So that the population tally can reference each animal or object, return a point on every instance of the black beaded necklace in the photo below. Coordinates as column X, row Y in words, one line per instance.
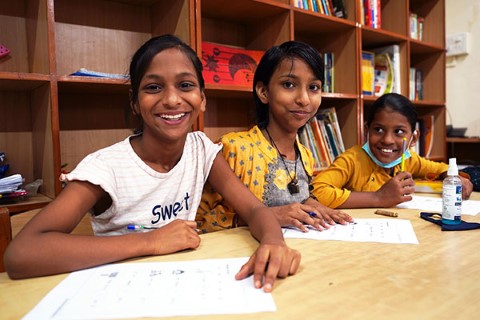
column 293, row 184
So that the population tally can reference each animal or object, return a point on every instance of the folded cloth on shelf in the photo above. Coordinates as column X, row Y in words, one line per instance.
column 10, row 183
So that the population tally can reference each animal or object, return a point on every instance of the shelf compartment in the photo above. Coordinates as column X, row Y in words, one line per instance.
column 328, row 34
column 252, row 25
column 26, row 131
column 432, row 11
column 347, row 114
column 432, row 66
column 27, row 37
column 227, row 111
column 102, row 35
column 92, row 115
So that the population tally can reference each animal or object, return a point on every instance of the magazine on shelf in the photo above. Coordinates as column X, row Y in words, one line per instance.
column 393, row 52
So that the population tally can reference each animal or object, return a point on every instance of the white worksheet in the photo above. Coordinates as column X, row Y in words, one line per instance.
column 431, row 204
column 154, row 289
column 363, row 230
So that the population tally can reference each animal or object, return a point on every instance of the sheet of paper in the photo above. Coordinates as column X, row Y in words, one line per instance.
column 154, row 289
column 363, row 230
column 434, row 204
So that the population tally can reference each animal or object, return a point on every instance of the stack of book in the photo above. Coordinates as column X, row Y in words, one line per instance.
column 415, row 84
column 372, row 13
column 10, row 188
column 416, row 26
column 329, row 81
column 334, row 8
column 384, row 64
column 322, row 135
column 368, row 73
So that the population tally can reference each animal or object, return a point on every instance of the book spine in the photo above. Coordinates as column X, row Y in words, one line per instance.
column 313, row 145
column 324, row 158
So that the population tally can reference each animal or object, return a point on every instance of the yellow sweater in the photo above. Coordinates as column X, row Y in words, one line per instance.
column 355, row 171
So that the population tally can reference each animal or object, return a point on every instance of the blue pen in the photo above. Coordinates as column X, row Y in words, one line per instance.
column 137, row 227
column 312, row 214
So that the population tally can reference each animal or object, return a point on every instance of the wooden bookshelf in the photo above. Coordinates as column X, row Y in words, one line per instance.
column 50, row 118
column 465, row 149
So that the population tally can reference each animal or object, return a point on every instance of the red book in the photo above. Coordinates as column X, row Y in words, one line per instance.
column 226, row 65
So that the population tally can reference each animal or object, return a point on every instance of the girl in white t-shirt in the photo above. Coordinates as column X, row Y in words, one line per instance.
column 151, row 182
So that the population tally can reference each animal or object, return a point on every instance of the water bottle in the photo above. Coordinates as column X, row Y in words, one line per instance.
column 452, row 195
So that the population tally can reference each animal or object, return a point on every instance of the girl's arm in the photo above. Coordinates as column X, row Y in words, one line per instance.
column 45, row 246
column 273, row 258
column 396, row 190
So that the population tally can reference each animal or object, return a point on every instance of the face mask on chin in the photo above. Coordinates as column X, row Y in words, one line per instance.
column 392, row 164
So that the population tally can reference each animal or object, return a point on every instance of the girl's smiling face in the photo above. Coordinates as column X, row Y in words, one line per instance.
column 386, row 133
column 294, row 94
column 169, row 95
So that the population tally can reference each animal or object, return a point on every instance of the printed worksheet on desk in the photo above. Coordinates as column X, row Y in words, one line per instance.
column 434, row 204
column 362, row 230
column 154, row 289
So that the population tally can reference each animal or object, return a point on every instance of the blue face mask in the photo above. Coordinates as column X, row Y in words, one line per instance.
column 392, row 164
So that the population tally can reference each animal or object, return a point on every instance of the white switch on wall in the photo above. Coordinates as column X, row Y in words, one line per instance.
column 458, row 44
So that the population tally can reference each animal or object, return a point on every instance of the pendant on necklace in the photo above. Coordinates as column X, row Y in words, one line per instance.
column 293, row 186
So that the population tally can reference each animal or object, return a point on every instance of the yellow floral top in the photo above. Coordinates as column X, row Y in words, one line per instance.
column 257, row 164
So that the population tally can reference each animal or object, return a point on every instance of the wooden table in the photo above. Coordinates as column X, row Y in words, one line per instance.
column 437, row 279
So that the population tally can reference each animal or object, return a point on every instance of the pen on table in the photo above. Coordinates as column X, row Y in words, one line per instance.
column 386, row 213
column 404, row 147
column 138, row 227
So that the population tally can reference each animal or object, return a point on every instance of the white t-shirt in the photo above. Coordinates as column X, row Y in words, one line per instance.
column 141, row 195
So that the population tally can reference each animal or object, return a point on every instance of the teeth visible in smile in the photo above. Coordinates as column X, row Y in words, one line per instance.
column 387, row 150
column 172, row 116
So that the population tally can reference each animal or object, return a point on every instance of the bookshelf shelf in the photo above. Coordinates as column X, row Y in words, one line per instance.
column 50, row 118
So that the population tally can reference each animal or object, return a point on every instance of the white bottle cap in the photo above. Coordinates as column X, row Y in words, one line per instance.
column 452, row 167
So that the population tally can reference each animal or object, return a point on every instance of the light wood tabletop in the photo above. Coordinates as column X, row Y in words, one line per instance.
column 436, row 279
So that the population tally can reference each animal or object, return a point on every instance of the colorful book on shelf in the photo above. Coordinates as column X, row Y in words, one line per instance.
column 329, row 72
column 305, row 139
column 418, row 84
column 411, row 83
column 324, row 157
column 331, row 138
column 427, row 125
column 313, row 146
column 393, row 52
column 368, row 73
column 383, row 74
column 413, row 23
column 336, row 126
column 326, row 8
column 305, row 4
column 372, row 13
column 330, row 128
column 320, row 6
column 226, row 65
column 328, row 145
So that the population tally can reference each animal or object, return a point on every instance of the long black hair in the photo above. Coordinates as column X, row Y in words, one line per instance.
column 272, row 58
column 395, row 102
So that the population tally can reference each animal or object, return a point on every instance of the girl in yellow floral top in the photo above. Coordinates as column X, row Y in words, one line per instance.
column 267, row 158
